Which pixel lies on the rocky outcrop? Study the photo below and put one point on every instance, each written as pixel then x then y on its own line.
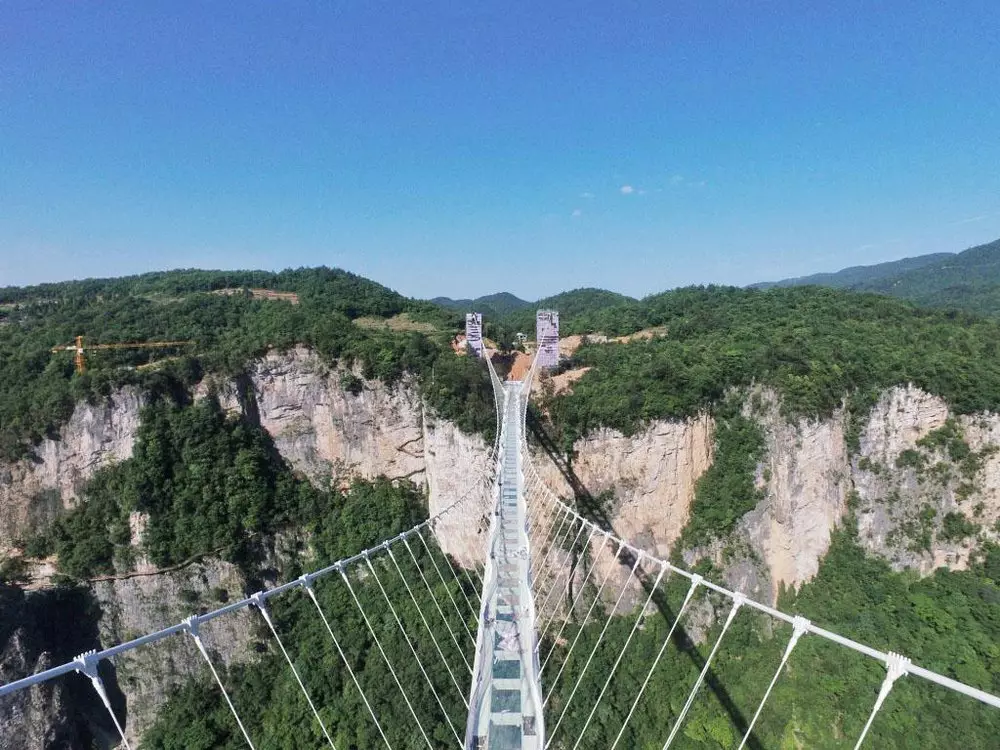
pixel 37 718
pixel 904 494
pixel 329 425
pixel 640 487
pixel 327 430
pixel 805 479
pixel 455 463
pixel 644 483
pixel 927 482
pixel 144 604
pixel 919 480
pixel 34 490
pixel 39 631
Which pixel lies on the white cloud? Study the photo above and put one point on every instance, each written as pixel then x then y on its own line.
pixel 586 196
pixel 676 179
pixel 577 213
pixel 973 219
pixel 627 190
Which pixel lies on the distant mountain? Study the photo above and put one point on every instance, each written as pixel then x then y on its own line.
pixel 969 280
pixel 574 307
pixel 499 304
pixel 518 314
pixel 851 277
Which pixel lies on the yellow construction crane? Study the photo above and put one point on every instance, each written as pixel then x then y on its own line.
pixel 79 348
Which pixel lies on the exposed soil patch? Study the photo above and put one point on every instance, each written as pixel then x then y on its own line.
pixel 401 322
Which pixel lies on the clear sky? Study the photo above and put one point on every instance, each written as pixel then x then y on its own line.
pixel 463 148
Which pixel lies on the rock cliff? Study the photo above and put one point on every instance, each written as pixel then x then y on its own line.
pixel 923 484
pixel 324 429
pixel 34 490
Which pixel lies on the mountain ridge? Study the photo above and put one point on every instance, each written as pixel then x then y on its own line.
pixel 968 280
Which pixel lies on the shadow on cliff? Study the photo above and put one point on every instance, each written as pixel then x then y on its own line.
pixel 593 508
pixel 44 629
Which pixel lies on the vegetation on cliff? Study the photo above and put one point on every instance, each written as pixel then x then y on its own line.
pixel 946 622
pixel 205 483
pixel 265 692
pixel 816 347
pixel 228 323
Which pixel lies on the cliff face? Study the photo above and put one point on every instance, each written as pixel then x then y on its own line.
pixel 924 485
pixel 639 486
pixel 916 469
pixel 927 482
pixel 37 718
pixel 805 476
pixel 643 484
pixel 147 603
pixel 452 461
pixel 323 430
pixel 33 491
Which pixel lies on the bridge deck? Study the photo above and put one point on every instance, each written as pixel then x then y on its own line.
pixel 504 713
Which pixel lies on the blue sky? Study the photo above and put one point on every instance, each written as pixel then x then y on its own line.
pixel 460 149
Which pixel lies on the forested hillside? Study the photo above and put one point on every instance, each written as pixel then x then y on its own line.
pixel 819 350
pixel 228 324
pixel 210 483
pixel 815 346
pixel 491 305
pixel 504 314
pixel 968 281
pixel 850 278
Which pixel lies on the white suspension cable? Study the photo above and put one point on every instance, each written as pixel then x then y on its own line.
pixel 549 540
pixel 800 627
pixel 447 588
pixel 541 527
pixel 416 656
pixel 666 642
pixel 583 625
pixel 476 587
pixel 554 584
pixel 918 671
pixel 308 585
pixel 427 627
pixel 444 619
pixel 593 651
pixel 378 643
pixel 192 624
pixel 638 619
pixel 461 588
pixel 539 509
pixel 576 599
pixel 737 602
pixel 262 608
pixel 88 665
pixel 560 538
pixel 896 666
pixel 555 568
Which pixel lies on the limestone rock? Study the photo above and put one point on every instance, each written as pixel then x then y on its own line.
pixel 36 489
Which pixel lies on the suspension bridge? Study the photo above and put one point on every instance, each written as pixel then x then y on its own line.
pixel 509 649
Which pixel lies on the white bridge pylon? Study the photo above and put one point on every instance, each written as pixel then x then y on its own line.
pixel 505 704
